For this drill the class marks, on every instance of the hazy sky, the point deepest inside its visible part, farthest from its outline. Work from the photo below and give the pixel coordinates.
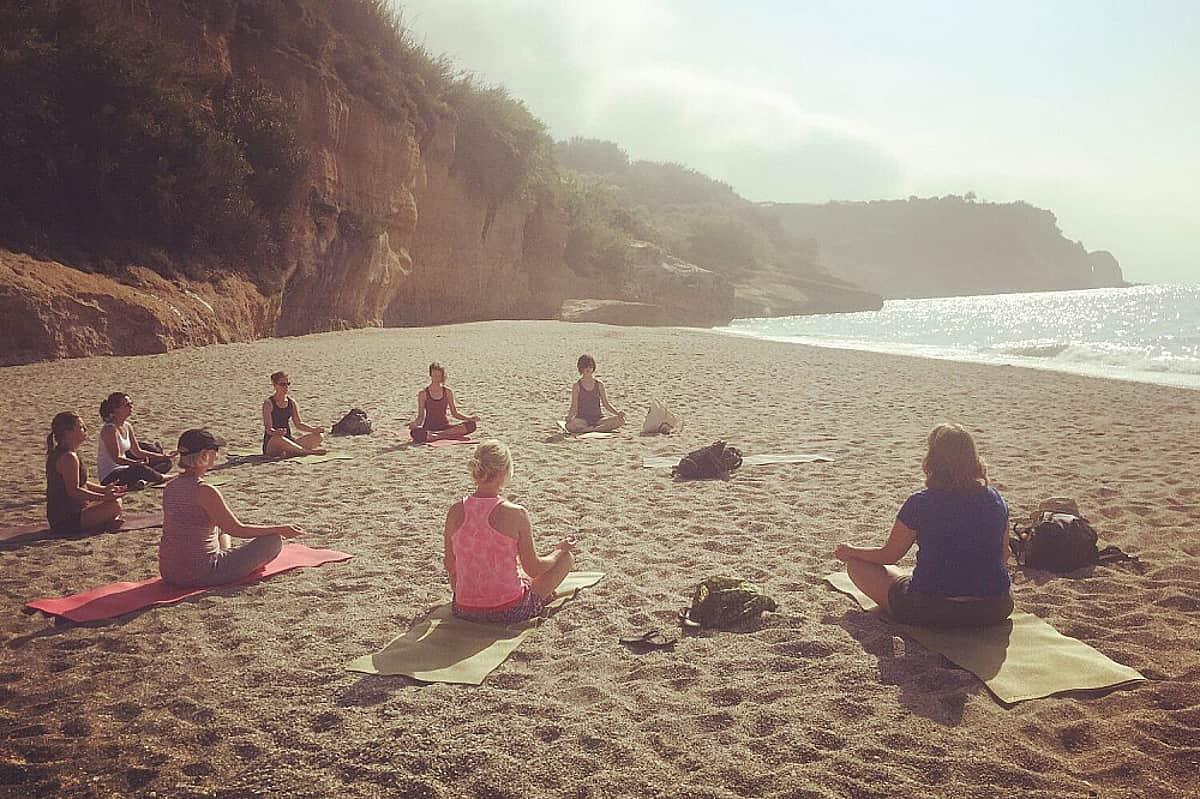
(1089, 108)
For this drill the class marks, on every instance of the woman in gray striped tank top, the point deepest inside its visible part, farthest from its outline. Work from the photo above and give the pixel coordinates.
(191, 554)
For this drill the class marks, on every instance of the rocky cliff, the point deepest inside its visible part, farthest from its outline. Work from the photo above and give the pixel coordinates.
(946, 246)
(386, 225)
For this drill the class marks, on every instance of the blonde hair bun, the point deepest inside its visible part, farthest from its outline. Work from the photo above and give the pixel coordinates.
(490, 460)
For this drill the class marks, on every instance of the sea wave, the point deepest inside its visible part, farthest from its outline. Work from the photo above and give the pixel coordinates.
(1111, 356)
(1147, 333)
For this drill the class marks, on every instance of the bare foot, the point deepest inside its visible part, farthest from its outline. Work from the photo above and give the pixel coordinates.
(317, 452)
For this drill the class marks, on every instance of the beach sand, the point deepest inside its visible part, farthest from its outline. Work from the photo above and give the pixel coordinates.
(242, 692)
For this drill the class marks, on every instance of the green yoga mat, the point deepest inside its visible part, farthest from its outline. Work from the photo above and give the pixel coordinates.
(443, 648)
(1024, 658)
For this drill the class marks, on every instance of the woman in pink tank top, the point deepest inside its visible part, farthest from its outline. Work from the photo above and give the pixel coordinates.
(486, 537)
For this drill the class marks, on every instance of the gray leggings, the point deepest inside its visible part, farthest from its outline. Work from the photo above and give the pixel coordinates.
(231, 566)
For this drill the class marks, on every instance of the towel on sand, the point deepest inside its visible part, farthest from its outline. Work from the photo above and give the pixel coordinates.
(666, 462)
(1023, 658)
(116, 599)
(132, 521)
(444, 648)
(562, 426)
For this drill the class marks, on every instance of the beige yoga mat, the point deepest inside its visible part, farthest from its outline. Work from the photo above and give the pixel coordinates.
(666, 462)
(443, 648)
(562, 426)
(258, 457)
(1024, 658)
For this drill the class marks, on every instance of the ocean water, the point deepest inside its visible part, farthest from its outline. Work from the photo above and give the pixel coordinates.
(1144, 333)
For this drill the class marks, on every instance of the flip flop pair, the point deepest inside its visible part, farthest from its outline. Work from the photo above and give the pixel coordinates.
(648, 641)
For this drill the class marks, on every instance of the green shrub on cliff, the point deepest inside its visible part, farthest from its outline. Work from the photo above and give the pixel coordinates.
(500, 146)
(108, 144)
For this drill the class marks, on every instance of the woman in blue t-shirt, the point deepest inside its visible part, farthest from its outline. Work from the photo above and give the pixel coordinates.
(960, 526)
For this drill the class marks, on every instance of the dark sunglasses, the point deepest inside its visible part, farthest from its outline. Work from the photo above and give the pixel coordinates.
(283, 384)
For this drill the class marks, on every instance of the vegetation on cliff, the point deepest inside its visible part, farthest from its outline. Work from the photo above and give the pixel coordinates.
(702, 220)
(111, 146)
(117, 147)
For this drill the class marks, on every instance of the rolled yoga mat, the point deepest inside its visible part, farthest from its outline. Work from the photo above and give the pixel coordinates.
(444, 648)
(1023, 658)
(116, 599)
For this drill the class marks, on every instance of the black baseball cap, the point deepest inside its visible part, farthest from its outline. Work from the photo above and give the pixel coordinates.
(196, 441)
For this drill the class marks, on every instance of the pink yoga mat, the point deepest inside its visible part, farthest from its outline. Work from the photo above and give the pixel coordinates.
(449, 442)
(133, 521)
(116, 599)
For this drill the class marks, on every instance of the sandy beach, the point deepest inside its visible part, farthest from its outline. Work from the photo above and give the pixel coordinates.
(242, 692)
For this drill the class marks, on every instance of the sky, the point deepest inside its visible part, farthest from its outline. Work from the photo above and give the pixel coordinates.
(1090, 108)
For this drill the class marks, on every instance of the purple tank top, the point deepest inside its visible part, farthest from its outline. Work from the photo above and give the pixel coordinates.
(435, 411)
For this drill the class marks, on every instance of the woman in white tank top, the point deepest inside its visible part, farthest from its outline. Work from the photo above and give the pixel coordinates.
(120, 459)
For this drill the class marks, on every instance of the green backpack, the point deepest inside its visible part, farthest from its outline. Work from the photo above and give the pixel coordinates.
(725, 602)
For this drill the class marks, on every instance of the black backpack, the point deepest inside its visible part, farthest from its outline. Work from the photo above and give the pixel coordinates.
(354, 423)
(706, 463)
(1060, 542)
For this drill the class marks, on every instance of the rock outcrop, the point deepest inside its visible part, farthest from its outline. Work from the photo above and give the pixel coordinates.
(944, 246)
(48, 310)
(1105, 270)
(614, 312)
(655, 288)
(776, 293)
(688, 294)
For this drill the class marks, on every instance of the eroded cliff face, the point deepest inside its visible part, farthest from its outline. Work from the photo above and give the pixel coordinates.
(475, 259)
(383, 229)
(386, 230)
(49, 311)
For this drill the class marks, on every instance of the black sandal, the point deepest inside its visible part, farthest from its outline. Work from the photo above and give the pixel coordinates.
(648, 641)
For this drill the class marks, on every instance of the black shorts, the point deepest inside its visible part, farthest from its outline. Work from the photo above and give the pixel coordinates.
(932, 610)
(67, 523)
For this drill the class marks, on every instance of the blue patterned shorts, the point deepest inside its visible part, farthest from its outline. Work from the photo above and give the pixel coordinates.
(530, 606)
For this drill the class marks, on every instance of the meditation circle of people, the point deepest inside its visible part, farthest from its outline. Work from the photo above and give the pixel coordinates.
(958, 521)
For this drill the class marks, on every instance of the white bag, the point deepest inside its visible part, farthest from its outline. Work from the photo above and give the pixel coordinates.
(659, 420)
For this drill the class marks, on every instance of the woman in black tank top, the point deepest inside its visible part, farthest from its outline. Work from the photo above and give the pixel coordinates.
(435, 406)
(278, 412)
(74, 504)
(589, 402)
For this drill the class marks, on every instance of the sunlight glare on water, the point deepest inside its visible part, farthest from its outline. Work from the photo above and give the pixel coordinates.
(1145, 333)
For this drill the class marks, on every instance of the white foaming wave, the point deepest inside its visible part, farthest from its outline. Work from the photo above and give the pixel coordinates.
(1112, 356)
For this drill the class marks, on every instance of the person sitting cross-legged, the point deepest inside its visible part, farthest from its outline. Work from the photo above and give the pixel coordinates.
(435, 406)
(589, 402)
(191, 553)
(960, 526)
(486, 536)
